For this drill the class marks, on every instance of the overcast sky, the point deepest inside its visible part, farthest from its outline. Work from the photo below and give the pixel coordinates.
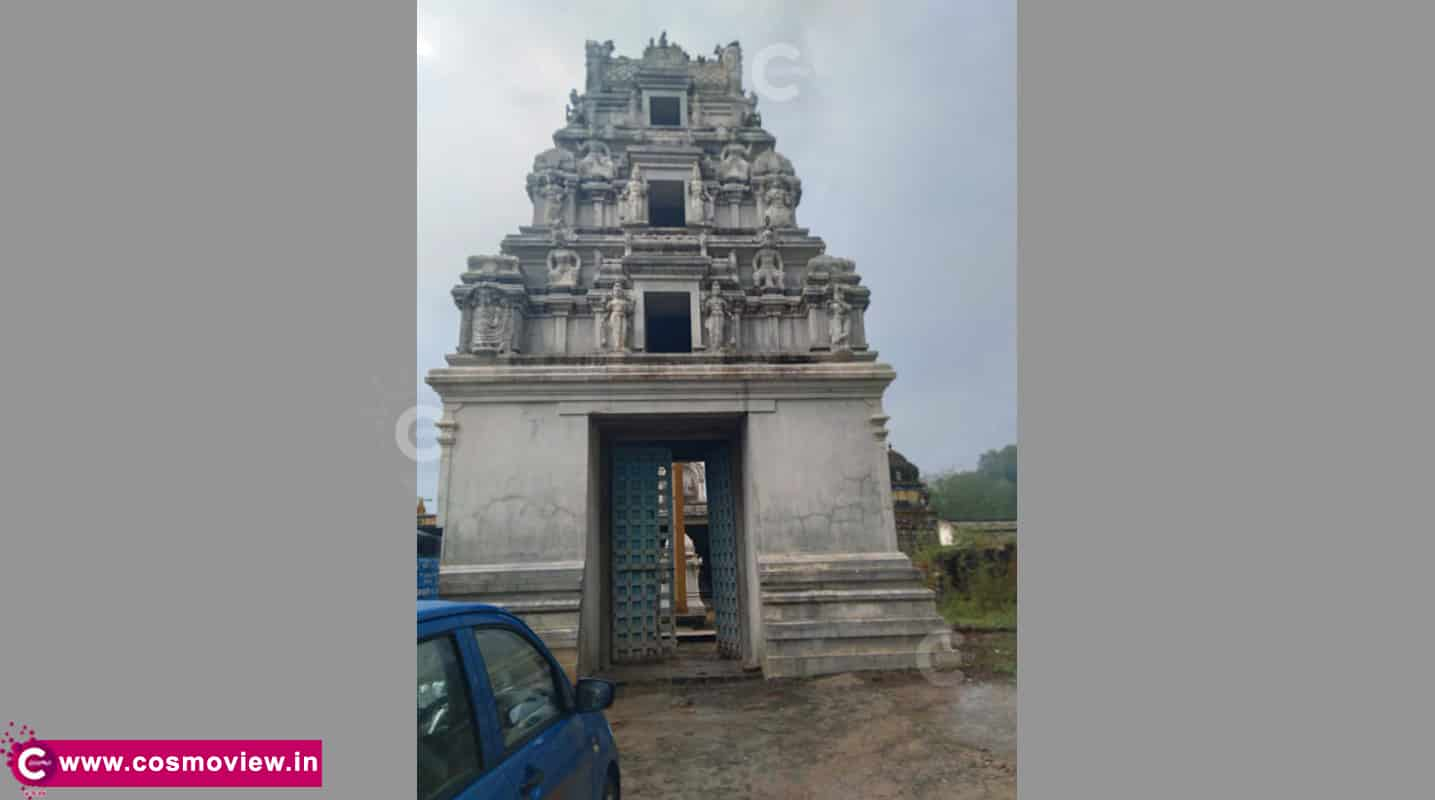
(902, 129)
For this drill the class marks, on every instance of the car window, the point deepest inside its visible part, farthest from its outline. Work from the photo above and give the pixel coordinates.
(449, 754)
(525, 688)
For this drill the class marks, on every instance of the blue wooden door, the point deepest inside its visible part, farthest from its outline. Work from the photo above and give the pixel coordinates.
(722, 544)
(642, 548)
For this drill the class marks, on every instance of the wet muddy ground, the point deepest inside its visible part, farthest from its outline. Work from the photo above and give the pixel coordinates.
(861, 735)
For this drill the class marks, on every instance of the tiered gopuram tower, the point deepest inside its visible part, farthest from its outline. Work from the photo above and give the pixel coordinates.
(665, 305)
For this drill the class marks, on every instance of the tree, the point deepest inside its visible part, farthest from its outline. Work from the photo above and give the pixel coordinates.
(984, 495)
(999, 463)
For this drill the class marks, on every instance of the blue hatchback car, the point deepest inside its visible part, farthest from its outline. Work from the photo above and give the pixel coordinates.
(497, 716)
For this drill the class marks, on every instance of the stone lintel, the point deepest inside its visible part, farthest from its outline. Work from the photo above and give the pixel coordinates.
(677, 383)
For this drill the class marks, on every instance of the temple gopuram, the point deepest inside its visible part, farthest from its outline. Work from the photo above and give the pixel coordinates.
(664, 307)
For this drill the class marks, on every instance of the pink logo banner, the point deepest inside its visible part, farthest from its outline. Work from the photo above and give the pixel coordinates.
(164, 763)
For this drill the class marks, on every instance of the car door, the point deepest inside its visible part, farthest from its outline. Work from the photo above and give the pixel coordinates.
(452, 734)
(543, 750)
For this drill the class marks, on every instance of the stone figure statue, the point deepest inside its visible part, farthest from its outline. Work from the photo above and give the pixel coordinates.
(619, 308)
(695, 482)
(733, 166)
(715, 309)
(574, 111)
(778, 202)
(700, 201)
(635, 108)
(767, 269)
(839, 319)
(634, 208)
(731, 57)
(750, 117)
(563, 263)
(494, 323)
(695, 111)
(553, 197)
(596, 163)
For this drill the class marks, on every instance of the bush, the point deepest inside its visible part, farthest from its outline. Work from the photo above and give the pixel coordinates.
(975, 579)
(972, 497)
(984, 495)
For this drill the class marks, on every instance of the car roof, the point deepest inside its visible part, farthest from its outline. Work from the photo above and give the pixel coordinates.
(437, 609)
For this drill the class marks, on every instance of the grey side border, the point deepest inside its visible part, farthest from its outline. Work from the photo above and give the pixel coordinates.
(1224, 399)
(208, 317)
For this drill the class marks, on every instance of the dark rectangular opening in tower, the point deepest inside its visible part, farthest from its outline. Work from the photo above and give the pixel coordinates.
(665, 204)
(667, 316)
(664, 111)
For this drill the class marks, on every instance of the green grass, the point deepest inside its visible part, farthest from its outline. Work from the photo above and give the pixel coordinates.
(966, 612)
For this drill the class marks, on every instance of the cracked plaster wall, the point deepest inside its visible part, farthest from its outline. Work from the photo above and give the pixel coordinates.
(520, 477)
(814, 487)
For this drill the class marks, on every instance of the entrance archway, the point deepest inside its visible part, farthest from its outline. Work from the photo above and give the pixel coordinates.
(639, 488)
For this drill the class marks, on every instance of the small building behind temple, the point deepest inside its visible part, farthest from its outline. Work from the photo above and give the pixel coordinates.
(911, 505)
(426, 520)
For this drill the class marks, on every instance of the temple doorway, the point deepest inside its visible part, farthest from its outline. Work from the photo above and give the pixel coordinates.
(673, 572)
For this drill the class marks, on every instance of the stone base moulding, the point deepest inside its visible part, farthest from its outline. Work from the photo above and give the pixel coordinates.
(547, 596)
(823, 614)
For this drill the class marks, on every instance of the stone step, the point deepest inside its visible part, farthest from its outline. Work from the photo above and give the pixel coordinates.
(807, 666)
(863, 595)
(854, 628)
(854, 574)
(841, 647)
(849, 604)
(529, 604)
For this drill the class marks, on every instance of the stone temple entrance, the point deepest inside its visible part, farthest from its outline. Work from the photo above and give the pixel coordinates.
(726, 335)
(646, 588)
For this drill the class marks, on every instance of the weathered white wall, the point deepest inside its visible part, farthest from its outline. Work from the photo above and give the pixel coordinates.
(519, 485)
(816, 478)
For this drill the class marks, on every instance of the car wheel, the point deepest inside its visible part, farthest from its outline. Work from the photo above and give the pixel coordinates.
(610, 789)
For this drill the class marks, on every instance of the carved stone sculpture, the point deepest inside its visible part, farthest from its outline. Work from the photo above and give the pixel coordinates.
(716, 313)
(695, 111)
(597, 163)
(734, 167)
(634, 208)
(778, 204)
(731, 57)
(554, 196)
(619, 308)
(495, 327)
(750, 117)
(839, 320)
(767, 270)
(563, 263)
(575, 112)
(700, 201)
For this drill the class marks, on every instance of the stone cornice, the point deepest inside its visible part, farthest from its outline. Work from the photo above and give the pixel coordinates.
(616, 382)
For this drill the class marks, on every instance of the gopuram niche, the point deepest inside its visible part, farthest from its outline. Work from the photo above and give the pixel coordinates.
(666, 314)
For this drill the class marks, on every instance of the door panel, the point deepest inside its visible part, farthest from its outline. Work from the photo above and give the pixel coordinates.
(722, 546)
(545, 752)
(642, 549)
(450, 754)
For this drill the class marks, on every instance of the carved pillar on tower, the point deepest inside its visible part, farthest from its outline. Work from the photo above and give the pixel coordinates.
(732, 194)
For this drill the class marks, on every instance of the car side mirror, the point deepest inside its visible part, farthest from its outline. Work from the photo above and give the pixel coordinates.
(594, 694)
